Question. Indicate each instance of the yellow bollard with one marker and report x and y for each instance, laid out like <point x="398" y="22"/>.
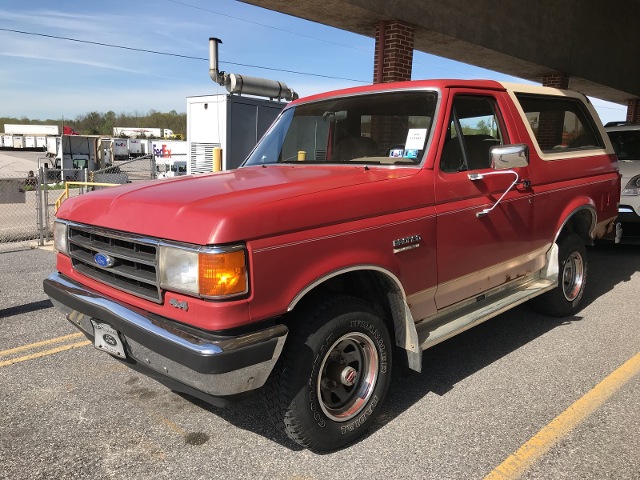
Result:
<point x="217" y="159"/>
<point x="302" y="156"/>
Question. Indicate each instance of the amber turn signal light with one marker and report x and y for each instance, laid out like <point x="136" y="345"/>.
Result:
<point x="222" y="274"/>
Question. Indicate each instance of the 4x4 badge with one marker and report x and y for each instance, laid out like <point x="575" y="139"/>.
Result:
<point x="178" y="304"/>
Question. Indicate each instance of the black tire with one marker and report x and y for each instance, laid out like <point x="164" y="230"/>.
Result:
<point x="332" y="377"/>
<point x="564" y="300"/>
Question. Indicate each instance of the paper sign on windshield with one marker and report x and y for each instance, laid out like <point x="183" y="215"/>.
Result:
<point x="415" y="139"/>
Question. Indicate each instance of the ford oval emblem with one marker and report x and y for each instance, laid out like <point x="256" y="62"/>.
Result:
<point x="103" y="260"/>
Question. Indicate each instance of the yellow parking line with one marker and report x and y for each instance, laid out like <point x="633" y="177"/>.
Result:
<point x="11" y="351"/>
<point x="519" y="462"/>
<point x="44" y="353"/>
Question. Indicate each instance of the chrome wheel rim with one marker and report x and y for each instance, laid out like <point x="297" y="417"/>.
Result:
<point x="347" y="377"/>
<point x="573" y="276"/>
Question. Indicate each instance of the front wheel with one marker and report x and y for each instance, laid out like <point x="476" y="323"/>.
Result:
<point x="565" y="299"/>
<point x="332" y="377"/>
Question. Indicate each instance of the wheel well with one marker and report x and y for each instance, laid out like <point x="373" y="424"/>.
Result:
<point x="581" y="223"/>
<point x="381" y="292"/>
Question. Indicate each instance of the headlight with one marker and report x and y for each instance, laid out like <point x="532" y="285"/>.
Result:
<point x="632" y="187"/>
<point x="204" y="272"/>
<point x="60" y="242"/>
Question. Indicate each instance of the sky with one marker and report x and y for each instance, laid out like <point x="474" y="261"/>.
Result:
<point x="45" y="77"/>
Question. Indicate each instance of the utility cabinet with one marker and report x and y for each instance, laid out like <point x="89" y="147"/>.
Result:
<point x="232" y="122"/>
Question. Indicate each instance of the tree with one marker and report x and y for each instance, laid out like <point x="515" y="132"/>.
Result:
<point x="96" y="123"/>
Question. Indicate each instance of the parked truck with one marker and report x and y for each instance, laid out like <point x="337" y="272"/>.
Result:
<point x="170" y="157"/>
<point x="147" y="132"/>
<point x="32" y="130"/>
<point x="120" y="148"/>
<point x="366" y="226"/>
<point x="30" y="137"/>
<point x="75" y="153"/>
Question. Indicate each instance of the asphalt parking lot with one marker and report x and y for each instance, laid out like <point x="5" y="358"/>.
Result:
<point x="521" y="383"/>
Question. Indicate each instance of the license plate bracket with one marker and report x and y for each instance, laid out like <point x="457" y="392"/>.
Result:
<point x="107" y="339"/>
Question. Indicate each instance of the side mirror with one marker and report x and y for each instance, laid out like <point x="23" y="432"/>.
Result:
<point x="504" y="157"/>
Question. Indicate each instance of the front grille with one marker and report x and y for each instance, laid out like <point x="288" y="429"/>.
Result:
<point x="135" y="260"/>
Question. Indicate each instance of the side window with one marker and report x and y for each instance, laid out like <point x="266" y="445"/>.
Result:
<point x="474" y="127"/>
<point x="560" y="123"/>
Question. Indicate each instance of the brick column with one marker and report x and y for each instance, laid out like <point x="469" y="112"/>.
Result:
<point x="394" y="52"/>
<point x="551" y="124"/>
<point x="392" y="63"/>
<point x="633" y="110"/>
<point x="556" y="80"/>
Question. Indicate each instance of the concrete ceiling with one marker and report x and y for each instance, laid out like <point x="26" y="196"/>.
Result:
<point x="595" y="42"/>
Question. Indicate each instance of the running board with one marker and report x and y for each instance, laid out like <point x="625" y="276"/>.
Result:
<point x="440" y="328"/>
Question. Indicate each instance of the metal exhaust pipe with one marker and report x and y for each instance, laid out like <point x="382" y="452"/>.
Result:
<point x="240" y="84"/>
<point x="216" y="75"/>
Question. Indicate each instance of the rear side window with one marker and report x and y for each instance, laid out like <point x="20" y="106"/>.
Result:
<point x="560" y="123"/>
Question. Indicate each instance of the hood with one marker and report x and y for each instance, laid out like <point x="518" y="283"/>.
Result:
<point x="246" y="203"/>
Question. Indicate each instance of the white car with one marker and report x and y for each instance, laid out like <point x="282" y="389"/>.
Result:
<point x="626" y="142"/>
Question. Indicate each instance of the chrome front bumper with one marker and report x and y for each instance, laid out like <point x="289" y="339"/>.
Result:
<point x="210" y="363"/>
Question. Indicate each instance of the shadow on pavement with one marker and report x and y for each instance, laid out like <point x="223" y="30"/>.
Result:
<point x="454" y="360"/>
<point x="26" y="308"/>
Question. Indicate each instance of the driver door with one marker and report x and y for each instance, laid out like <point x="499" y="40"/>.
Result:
<point x="476" y="252"/>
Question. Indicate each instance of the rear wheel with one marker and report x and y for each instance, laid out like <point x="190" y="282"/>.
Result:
<point x="332" y="377"/>
<point x="565" y="299"/>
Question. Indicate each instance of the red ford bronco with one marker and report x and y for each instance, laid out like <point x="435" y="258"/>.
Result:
<point x="366" y="226"/>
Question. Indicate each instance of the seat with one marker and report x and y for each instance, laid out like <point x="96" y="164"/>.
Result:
<point x="452" y="159"/>
<point x="354" y="147"/>
<point x="477" y="147"/>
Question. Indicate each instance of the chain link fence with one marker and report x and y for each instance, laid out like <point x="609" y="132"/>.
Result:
<point x="27" y="203"/>
<point x="133" y="170"/>
<point x="18" y="212"/>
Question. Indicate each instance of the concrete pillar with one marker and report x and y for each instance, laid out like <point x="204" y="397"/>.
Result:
<point x="556" y="80"/>
<point x="394" y="52"/>
<point x="633" y="110"/>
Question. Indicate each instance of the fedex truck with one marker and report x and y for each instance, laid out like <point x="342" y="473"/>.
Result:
<point x="170" y="157"/>
<point x="120" y="148"/>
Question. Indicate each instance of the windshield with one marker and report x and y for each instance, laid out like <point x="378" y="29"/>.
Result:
<point x="383" y="128"/>
<point x="626" y="143"/>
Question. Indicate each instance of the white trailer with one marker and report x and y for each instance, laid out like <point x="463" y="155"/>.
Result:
<point x="105" y="146"/>
<point x="137" y="147"/>
<point x="29" y="141"/>
<point x="231" y="122"/>
<point x="33" y="130"/>
<point x="146" y="147"/>
<point x="18" y="141"/>
<point x="134" y="147"/>
<point x="53" y="145"/>
<point x="7" y="141"/>
<point x="170" y="157"/>
<point x="77" y="152"/>
<point x="41" y="141"/>
<point x="135" y="132"/>
<point x="120" y="149"/>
